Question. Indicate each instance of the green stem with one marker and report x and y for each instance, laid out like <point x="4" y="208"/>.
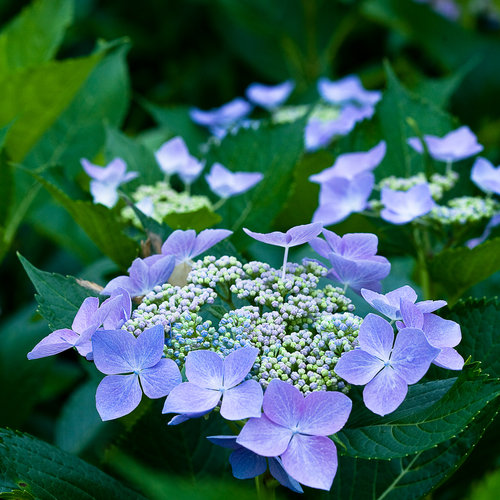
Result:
<point x="220" y="203"/>
<point x="285" y="258"/>
<point x="449" y="168"/>
<point x="264" y="492"/>
<point x="423" y="271"/>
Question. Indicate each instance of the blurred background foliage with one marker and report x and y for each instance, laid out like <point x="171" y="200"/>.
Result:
<point x="119" y="70"/>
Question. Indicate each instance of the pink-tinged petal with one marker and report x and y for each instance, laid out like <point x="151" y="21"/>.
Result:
<point x="123" y="282"/>
<point x="441" y="332"/>
<point x="160" y="379"/>
<point x="428" y="306"/>
<point x="205" y="369"/>
<point x="114" y="351"/>
<point x="299" y="235"/>
<point x="118" y="395"/>
<point x="376" y="337"/>
<point x="264" y="437"/>
<point x="279" y="473"/>
<point x="283" y="403"/>
<point x="56" y="342"/>
<point x="180" y="244"/>
<point x="358" y="367"/>
<point x="411" y="315"/>
<point x="149" y="347"/>
<point x="275" y="238"/>
<point x="189" y="398"/>
<point x="450" y="359"/>
<point x="359" y="245"/>
<point x="207" y="239"/>
<point x="242" y="401"/>
<point x="103" y="193"/>
<point x="245" y="464"/>
<point x="412" y="355"/>
<point x="385" y="392"/>
<point x="86" y="315"/>
<point x="324" y="413"/>
<point x="238" y="364"/>
<point x="311" y="460"/>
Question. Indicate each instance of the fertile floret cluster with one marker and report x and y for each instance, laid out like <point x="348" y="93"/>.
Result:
<point x="300" y="328"/>
<point x="463" y="210"/>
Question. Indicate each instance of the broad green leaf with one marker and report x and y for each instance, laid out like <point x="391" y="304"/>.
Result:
<point x="458" y="269"/>
<point x="35" y="97"/>
<point x="273" y="150"/>
<point x="20" y="379"/>
<point x="34" y="36"/>
<point x="422" y="429"/>
<point x="59" y="297"/>
<point x="198" y="220"/>
<point x="397" y="106"/>
<point x="100" y="223"/>
<point x="137" y="156"/>
<point x="31" y="466"/>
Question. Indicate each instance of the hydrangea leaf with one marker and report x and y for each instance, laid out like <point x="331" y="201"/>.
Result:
<point x="59" y="297"/>
<point x="392" y="438"/>
<point x="273" y="150"/>
<point x="34" y="36"/>
<point x="33" y="466"/>
<point x="197" y="219"/>
<point x="458" y="269"/>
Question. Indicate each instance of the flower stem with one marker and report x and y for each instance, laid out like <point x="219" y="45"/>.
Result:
<point x="220" y="203"/>
<point x="263" y="491"/>
<point x="285" y="258"/>
<point x="422" y="269"/>
<point x="449" y="164"/>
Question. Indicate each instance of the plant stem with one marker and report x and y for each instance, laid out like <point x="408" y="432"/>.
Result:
<point x="220" y="203"/>
<point x="264" y="492"/>
<point x="423" y="272"/>
<point x="449" y="164"/>
<point x="284" y="264"/>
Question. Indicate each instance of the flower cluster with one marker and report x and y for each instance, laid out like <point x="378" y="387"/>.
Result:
<point x="463" y="210"/>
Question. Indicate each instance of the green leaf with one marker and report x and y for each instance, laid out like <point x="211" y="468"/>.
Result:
<point x="457" y="269"/>
<point x="197" y="219"/>
<point x="48" y="473"/>
<point x="59" y="297"/>
<point x="100" y="223"/>
<point x="34" y="36"/>
<point x="273" y="150"/>
<point x="421" y="430"/>
<point x="397" y="106"/>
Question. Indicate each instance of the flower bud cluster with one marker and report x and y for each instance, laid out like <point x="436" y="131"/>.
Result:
<point x="464" y="210"/>
<point x="211" y="272"/>
<point x="290" y="114"/>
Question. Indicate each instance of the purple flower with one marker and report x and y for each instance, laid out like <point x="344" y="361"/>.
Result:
<point x="144" y="275"/>
<point x="319" y="133"/>
<point x="390" y="303"/>
<point x="486" y="176"/>
<point x="269" y="96"/>
<point x="440" y="333"/>
<point x="353" y="259"/>
<point x="347" y="89"/>
<point x="146" y="206"/>
<point x="350" y="165"/>
<point x="295" y="236"/>
<point x="174" y="158"/>
<point x="295" y="428"/>
<point x="87" y="320"/>
<point x="210" y="378"/>
<point x="456" y="145"/>
<point x="118" y="311"/>
<point x="404" y="206"/>
<point x="106" y="180"/>
<point x="224" y="117"/>
<point x="225" y="183"/>
<point x="340" y="197"/>
<point x="131" y="363"/>
<point x="386" y="366"/>
<point x="246" y="464"/>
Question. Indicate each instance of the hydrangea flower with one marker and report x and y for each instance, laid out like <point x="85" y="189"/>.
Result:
<point x="269" y="96"/>
<point x="340" y="197"/>
<point x="350" y="165"/>
<point x="295" y="428"/>
<point x="486" y="176"/>
<point x="146" y="206"/>
<point x="353" y="259"/>
<point x="454" y="146"/>
<point x="106" y="180"/>
<point x="210" y="378"/>
<point x="225" y="183"/>
<point x="246" y="464"/>
<point x="118" y="310"/>
<point x="88" y="319"/>
<point x="440" y="333"/>
<point x="130" y="364"/>
<point x="144" y="275"/>
<point x="220" y="119"/>
<point x="347" y="89"/>
<point x="386" y="366"/>
<point x="295" y="236"/>
<point x="390" y="303"/>
<point x="402" y="207"/>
